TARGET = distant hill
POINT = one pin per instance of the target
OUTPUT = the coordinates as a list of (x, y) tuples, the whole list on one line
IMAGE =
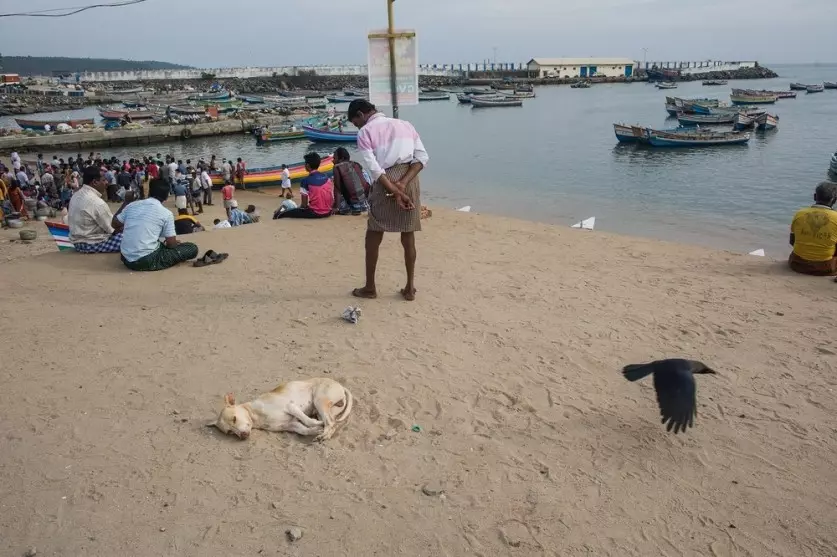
[(49, 65)]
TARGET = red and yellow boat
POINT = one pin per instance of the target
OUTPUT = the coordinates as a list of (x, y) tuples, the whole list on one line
[(272, 175)]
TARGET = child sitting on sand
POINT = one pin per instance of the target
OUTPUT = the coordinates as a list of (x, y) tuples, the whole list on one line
[(221, 224)]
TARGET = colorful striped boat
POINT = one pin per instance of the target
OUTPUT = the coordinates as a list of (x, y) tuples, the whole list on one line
[(272, 175), (60, 232), (271, 136), (743, 98), (41, 124), (327, 135)]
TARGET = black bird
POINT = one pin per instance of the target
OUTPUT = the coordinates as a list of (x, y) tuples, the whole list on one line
[(675, 385)]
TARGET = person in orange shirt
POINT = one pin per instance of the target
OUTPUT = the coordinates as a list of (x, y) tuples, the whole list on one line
[(228, 193), (814, 234)]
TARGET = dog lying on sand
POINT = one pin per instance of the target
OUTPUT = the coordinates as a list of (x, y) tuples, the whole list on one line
[(312, 407)]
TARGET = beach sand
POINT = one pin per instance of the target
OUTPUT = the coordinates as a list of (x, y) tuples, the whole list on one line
[(531, 442)]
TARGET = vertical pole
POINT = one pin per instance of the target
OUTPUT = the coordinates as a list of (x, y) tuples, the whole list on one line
[(393, 83)]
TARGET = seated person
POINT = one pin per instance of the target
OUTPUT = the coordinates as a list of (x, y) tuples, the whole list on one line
[(286, 205), (253, 212), (90, 219), (350, 185), (237, 216), (317, 192), (145, 222), (184, 223), (814, 234), (221, 224)]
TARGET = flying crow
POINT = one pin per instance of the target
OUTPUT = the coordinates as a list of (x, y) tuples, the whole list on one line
[(675, 385)]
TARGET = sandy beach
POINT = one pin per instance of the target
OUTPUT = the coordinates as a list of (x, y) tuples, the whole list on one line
[(531, 442)]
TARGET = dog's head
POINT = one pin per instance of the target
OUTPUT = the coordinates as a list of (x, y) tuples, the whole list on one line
[(233, 420)]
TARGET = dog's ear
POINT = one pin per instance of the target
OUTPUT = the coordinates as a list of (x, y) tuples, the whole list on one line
[(229, 399)]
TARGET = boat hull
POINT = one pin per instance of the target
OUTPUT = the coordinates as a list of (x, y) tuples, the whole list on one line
[(434, 97), (272, 176), (753, 99), (662, 139), (325, 135), (705, 119), (281, 136), (490, 103), (41, 124)]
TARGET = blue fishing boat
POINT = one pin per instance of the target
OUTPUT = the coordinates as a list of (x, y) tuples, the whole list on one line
[(660, 138), (639, 134), (341, 99), (219, 96), (705, 119), (251, 100), (327, 135)]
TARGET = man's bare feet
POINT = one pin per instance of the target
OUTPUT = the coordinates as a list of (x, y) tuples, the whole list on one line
[(409, 295), (364, 293)]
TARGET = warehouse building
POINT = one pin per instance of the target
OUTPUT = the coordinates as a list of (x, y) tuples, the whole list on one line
[(581, 67)]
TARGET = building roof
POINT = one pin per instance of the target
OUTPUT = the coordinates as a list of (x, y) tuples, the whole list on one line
[(581, 61)]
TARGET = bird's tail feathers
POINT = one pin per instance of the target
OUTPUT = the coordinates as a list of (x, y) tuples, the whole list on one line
[(635, 372)]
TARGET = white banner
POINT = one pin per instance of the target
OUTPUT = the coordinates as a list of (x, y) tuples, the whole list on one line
[(406, 68)]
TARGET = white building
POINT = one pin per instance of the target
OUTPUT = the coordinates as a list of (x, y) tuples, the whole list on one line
[(582, 67)]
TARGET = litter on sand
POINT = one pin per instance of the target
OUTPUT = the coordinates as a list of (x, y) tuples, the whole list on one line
[(759, 252), (465, 209), (586, 224), (352, 314)]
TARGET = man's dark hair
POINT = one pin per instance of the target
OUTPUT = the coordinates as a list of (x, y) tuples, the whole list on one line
[(183, 211), (90, 175), (159, 190), (216, 221), (360, 106), (341, 154), (826, 193), (284, 166), (250, 209), (313, 160)]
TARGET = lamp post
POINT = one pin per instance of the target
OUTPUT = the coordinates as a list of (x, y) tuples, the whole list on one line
[(391, 37)]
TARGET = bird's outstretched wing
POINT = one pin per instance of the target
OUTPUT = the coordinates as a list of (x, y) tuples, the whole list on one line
[(676, 395)]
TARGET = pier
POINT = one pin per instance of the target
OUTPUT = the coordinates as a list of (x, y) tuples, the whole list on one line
[(139, 136)]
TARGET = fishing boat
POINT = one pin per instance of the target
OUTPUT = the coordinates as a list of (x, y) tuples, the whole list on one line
[(714, 82), (524, 88), (815, 89), (744, 120), (41, 124), (744, 97), (518, 94), (478, 91), (217, 96), (782, 94), (271, 136), (328, 135), (667, 85), (434, 96), (639, 134), (830, 85), (660, 138), (482, 102), (463, 98), (580, 85), (251, 100), (187, 110), (705, 119), (777, 94), (116, 115), (798, 86), (272, 175), (340, 98), (767, 122), (133, 104)]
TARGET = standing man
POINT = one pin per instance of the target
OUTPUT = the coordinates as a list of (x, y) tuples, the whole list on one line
[(206, 185), (394, 154), (287, 192), (226, 171), (240, 172), (172, 174)]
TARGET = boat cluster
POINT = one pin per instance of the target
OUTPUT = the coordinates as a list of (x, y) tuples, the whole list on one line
[(813, 88), (487, 98)]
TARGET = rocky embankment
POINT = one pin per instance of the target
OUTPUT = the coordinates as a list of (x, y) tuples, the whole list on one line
[(759, 72), (14, 105)]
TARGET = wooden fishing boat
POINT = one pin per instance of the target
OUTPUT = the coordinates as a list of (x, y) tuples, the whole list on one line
[(134, 115), (764, 93), (580, 85), (518, 94), (667, 85), (782, 94), (744, 121), (251, 100), (463, 98), (639, 134), (271, 136), (340, 98), (714, 82), (230, 103), (216, 96), (524, 88), (327, 135), (767, 122), (752, 99), (699, 106), (434, 96), (482, 102), (272, 175), (830, 85), (478, 91), (41, 124), (815, 89), (798, 86), (659, 138), (705, 119)]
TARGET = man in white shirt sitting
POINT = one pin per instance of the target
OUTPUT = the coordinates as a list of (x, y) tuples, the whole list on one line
[(90, 219), (145, 223)]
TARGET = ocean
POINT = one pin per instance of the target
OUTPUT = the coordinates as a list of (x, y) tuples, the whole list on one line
[(556, 160)]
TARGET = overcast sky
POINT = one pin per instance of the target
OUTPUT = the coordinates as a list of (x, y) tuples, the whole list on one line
[(216, 33)]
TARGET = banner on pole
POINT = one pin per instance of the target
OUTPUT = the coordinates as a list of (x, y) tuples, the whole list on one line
[(406, 68)]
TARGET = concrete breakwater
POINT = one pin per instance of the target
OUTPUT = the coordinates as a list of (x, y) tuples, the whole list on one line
[(138, 136), (22, 103)]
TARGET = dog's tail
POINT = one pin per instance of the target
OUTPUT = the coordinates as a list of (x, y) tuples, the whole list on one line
[(344, 415)]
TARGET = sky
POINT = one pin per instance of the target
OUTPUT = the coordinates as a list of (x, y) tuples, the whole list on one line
[(224, 33)]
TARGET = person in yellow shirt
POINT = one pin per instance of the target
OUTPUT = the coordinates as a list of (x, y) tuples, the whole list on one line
[(814, 234), (4, 191)]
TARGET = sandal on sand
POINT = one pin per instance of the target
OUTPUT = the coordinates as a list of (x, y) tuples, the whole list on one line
[(361, 293), (204, 261), (409, 296)]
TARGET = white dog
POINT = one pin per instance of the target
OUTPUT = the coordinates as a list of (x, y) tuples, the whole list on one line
[(290, 407)]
